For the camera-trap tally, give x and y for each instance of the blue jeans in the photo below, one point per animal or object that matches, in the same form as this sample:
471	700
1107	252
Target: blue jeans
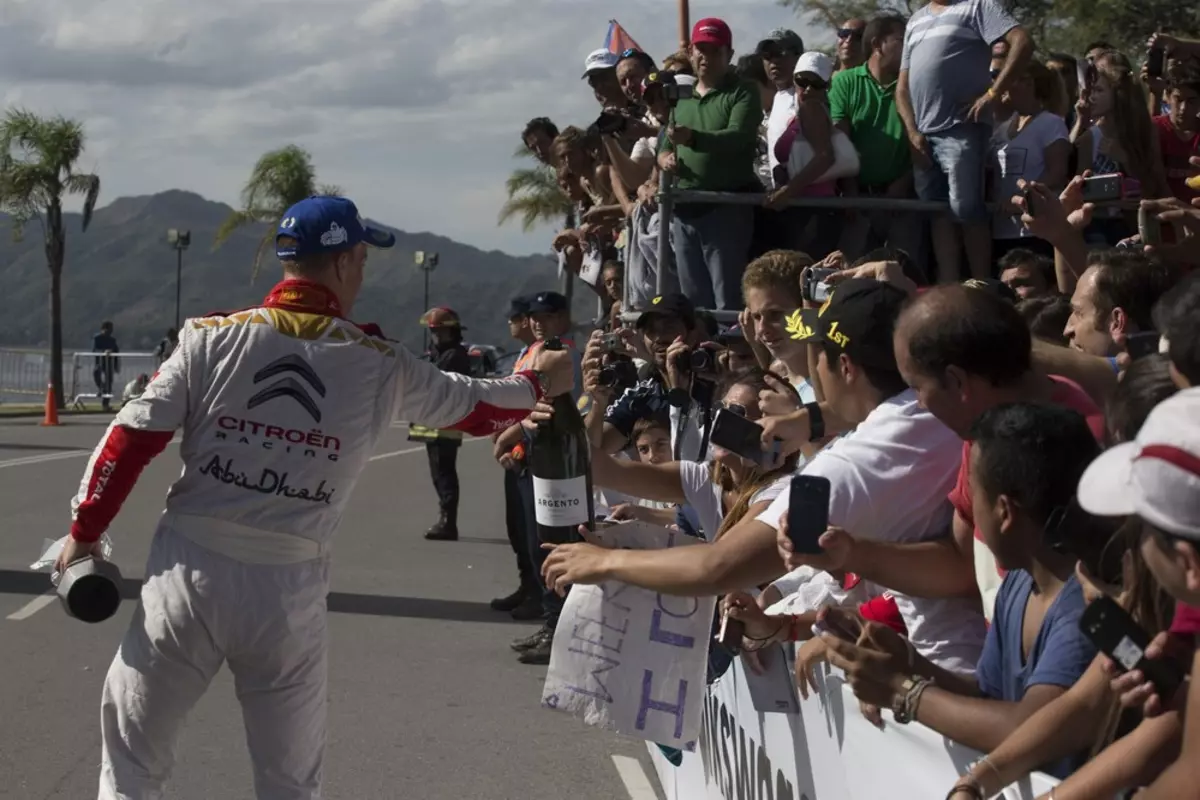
959	156
712	245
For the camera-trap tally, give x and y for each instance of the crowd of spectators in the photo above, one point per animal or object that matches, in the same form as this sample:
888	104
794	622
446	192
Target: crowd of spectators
1001	452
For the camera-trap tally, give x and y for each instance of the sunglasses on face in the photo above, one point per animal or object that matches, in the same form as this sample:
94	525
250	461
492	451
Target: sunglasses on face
735	408
810	85
850	33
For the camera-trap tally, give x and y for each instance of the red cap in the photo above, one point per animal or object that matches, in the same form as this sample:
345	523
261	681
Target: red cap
711	30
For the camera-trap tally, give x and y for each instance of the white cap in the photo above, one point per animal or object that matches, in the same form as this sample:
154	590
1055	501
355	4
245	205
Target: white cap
817	63
1156	476
599	59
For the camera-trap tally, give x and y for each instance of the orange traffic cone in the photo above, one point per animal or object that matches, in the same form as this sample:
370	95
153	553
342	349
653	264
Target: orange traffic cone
51	416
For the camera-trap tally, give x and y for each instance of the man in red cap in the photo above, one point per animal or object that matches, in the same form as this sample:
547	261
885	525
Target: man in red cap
711	146
448	353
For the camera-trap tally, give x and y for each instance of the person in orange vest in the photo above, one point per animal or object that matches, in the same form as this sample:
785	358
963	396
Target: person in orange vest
448	353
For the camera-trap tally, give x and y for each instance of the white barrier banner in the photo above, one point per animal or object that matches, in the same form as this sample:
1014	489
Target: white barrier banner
827	752
629	659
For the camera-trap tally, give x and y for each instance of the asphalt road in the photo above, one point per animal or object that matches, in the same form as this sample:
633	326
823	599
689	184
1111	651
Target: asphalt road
426	699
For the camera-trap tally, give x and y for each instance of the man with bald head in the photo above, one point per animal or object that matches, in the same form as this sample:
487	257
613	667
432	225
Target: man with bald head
964	351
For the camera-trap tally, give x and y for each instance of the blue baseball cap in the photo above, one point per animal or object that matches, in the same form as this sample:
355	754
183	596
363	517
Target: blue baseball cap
325	224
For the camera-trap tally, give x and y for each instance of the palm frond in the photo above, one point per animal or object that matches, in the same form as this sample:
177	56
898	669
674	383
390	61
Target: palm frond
89	187
268	237
331	190
280	178
234	221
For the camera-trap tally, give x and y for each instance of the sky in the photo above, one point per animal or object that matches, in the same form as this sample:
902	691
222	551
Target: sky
413	107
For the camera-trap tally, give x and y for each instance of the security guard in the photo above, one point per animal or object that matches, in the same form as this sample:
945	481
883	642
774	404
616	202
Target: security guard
448	353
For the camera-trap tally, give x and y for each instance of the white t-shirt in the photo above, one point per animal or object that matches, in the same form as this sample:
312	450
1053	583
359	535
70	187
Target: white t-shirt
692	434
1022	156
890	478
782	111
704	496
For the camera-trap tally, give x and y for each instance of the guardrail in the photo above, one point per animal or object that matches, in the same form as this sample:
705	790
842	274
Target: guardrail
127	367
669	195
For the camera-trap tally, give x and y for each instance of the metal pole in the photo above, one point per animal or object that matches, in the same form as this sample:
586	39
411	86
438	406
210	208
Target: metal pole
685	26
425	269
666	207
178	282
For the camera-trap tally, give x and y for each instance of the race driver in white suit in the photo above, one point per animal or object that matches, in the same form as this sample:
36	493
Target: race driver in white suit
280	406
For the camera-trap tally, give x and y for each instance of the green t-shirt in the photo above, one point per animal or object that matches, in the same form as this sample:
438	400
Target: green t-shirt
875	126
724	125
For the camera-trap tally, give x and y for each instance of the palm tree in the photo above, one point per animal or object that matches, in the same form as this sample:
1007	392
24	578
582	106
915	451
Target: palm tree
37	169
280	179
534	196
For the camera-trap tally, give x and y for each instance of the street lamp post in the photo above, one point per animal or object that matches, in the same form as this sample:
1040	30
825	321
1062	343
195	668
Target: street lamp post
427	263
179	240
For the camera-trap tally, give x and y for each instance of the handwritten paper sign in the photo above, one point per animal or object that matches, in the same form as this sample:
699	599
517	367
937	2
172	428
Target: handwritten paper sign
629	659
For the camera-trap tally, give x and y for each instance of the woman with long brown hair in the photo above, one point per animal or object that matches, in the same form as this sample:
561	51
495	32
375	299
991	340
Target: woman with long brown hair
1114	133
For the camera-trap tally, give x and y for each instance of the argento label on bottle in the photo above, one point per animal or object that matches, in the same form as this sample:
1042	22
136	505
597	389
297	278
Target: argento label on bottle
560	503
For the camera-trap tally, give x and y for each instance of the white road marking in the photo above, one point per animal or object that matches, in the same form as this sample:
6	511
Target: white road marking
27	460
634	778
421	449
33	606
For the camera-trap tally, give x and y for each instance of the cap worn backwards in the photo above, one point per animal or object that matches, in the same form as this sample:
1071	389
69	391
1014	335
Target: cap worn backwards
325	224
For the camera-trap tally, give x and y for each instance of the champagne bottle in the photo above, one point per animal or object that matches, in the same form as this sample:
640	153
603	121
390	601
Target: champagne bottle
560	460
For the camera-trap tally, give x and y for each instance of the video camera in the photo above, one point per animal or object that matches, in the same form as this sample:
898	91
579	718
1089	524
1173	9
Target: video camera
673	89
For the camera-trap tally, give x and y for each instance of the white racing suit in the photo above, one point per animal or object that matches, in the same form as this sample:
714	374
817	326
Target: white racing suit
281	407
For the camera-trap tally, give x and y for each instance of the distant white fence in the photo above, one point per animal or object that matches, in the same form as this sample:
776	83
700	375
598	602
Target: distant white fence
25	374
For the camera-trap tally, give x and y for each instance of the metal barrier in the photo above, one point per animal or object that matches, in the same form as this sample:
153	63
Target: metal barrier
24	375
128	366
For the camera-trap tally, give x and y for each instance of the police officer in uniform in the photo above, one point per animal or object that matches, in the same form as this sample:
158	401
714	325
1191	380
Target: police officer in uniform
448	353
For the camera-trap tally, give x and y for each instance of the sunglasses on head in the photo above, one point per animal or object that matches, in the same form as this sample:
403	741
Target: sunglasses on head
850	33
811	84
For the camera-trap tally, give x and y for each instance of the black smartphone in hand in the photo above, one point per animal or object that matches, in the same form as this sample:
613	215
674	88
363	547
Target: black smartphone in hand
1116	634
733	432
808	512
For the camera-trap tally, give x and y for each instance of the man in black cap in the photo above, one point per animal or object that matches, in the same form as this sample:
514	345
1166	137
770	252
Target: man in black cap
549	318
669	320
526	602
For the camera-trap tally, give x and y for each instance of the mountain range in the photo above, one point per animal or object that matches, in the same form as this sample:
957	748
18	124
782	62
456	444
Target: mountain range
122	269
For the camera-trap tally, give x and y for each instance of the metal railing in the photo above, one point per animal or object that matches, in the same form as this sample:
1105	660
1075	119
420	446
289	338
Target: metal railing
24	375
127	367
669	195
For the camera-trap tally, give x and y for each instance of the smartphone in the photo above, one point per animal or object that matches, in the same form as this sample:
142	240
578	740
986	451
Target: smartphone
739	435
1103	187
815	289
808	512
731	632
1154	62
1029	196
1149	227
1115	633
1140	345
826	624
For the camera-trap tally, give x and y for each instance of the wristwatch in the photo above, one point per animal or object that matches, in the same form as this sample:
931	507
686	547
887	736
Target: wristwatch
904	707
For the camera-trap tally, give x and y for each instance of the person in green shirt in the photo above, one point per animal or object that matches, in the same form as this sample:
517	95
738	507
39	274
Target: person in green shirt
710	145
862	102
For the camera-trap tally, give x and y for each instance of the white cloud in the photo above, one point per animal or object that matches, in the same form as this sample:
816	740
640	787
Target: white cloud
412	106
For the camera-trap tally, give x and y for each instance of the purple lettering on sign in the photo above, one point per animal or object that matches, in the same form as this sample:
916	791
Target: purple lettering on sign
659	634
603	693
647	705
608	598
599	642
